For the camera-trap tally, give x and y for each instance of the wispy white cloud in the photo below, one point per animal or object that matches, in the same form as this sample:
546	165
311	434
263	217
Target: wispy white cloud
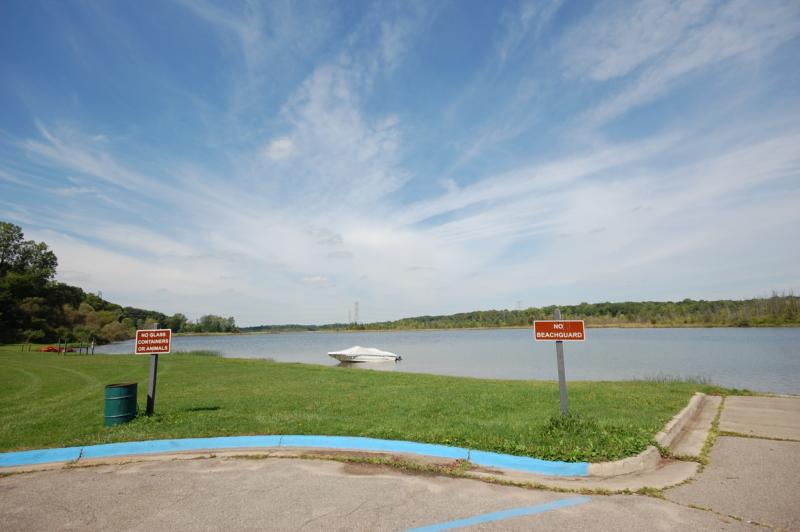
663	223
83	155
265	32
524	21
617	37
344	155
536	179
71	192
657	44
316	280
279	148
10	178
509	74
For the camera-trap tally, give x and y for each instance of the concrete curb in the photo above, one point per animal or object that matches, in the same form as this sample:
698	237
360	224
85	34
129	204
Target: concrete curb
675	425
647	459
651	457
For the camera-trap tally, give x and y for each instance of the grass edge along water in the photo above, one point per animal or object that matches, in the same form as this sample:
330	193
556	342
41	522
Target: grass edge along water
50	400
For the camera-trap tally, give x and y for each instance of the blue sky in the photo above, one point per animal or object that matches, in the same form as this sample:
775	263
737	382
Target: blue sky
278	161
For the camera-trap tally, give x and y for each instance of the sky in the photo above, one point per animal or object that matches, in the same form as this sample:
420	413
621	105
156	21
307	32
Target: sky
279	161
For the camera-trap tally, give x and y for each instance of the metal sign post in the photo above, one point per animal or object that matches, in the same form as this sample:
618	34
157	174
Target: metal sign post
562	378
151	386
153	342
560	330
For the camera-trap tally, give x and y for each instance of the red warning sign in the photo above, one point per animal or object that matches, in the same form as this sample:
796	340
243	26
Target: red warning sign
559	330
153	341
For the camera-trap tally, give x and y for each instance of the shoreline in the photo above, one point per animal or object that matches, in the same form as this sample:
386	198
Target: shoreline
439	329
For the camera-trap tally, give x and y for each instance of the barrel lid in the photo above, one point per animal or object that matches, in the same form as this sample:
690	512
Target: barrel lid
120	384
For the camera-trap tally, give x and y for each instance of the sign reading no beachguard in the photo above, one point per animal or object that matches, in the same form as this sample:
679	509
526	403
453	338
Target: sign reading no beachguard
153	341
559	330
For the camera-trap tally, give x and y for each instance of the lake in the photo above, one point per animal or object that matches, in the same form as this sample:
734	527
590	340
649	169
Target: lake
764	359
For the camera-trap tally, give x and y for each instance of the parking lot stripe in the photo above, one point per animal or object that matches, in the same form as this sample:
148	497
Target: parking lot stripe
504	514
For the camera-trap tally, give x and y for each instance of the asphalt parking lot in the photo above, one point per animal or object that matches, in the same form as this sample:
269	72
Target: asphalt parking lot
295	494
750	483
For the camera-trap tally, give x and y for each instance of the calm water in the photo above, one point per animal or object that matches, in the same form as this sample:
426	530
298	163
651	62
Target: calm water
757	359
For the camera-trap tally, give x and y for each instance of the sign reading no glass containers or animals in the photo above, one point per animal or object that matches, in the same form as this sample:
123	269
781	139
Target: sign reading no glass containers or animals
559	330
153	341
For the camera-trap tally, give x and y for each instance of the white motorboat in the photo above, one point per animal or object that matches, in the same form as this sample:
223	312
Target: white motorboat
363	354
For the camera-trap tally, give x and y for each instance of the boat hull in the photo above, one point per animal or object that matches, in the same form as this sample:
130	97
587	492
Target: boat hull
363	354
363	358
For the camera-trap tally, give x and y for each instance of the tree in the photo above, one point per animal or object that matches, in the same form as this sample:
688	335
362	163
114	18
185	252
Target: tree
115	331
34	307
176	322
26	270
212	323
24	256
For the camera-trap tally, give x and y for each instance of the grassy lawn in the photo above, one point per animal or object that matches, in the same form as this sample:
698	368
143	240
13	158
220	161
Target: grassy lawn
50	400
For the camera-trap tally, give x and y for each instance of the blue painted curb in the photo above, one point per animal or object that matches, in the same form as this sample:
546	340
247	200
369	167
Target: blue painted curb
534	465
174	446
40	456
487	459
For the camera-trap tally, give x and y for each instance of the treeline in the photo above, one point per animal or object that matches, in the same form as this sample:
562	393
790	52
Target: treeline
292	327
36	308
208	324
777	310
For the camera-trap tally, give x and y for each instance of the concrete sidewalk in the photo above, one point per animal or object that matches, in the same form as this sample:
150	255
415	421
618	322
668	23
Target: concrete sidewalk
753	478
764	417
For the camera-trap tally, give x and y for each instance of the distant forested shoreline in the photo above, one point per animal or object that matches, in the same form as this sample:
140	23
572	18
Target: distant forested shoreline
35	308
778	310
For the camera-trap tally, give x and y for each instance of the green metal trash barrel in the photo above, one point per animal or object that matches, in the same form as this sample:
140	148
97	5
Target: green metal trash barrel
120	403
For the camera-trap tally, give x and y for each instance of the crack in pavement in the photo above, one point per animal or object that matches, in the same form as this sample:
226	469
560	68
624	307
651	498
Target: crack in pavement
308	522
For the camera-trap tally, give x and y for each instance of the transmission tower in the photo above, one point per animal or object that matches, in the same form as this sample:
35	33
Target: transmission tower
355	313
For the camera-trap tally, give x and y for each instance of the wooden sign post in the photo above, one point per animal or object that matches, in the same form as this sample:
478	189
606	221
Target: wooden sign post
153	341
560	330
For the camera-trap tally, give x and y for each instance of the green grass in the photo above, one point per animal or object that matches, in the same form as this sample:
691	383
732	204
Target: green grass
202	353
50	400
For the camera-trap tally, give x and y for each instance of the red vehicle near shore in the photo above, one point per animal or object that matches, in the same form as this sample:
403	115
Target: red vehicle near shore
54	349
